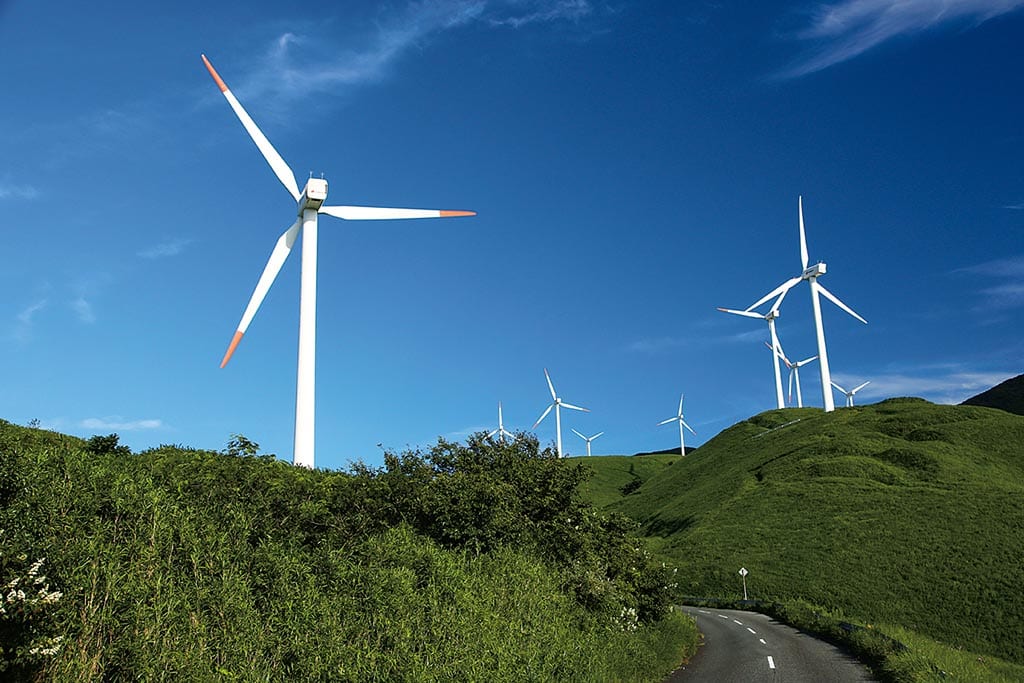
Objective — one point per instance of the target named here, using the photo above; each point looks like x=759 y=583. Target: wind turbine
x=588 y=439
x=682 y=423
x=557 y=404
x=811 y=274
x=794 y=372
x=851 y=392
x=501 y=431
x=770 y=316
x=310 y=204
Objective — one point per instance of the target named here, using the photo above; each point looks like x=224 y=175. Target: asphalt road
x=741 y=647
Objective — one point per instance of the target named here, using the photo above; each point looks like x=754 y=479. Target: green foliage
x=902 y=512
x=104 y=445
x=468 y=562
x=614 y=476
x=241 y=446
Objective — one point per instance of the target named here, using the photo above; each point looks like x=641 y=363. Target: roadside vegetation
x=901 y=513
x=476 y=561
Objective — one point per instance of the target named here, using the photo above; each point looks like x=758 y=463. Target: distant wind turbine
x=770 y=317
x=501 y=431
x=588 y=439
x=682 y=423
x=557 y=404
x=811 y=274
x=310 y=204
x=794 y=372
x=851 y=392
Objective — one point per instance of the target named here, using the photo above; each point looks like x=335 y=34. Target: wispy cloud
x=117 y=423
x=1009 y=292
x=10 y=190
x=24 y=320
x=83 y=309
x=299 y=65
x=1014 y=207
x=846 y=29
x=953 y=386
x=165 y=249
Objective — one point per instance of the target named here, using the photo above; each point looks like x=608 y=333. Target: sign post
x=743 y=573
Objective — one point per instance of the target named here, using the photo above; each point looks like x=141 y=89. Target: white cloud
x=1009 y=292
x=657 y=344
x=286 y=75
x=117 y=423
x=24 y=320
x=953 y=387
x=165 y=249
x=12 y=191
x=849 y=28
x=83 y=309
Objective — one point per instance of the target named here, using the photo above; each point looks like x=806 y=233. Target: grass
x=613 y=472
x=902 y=512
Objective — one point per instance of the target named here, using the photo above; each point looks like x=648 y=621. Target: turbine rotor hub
x=313 y=195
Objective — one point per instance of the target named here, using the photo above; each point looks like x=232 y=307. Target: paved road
x=741 y=647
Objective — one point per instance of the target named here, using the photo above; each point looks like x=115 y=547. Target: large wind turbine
x=501 y=432
x=794 y=372
x=770 y=316
x=811 y=274
x=682 y=423
x=557 y=404
x=310 y=204
x=851 y=392
x=588 y=439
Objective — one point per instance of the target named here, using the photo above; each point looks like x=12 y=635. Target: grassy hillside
x=902 y=512
x=1008 y=396
x=469 y=562
x=612 y=474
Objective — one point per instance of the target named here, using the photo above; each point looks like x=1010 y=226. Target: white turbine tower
x=310 y=204
x=682 y=423
x=588 y=439
x=501 y=431
x=851 y=392
x=811 y=274
x=770 y=317
x=557 y=404
x=794 y=372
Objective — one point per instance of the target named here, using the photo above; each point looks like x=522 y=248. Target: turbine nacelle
x=817 y=270
x=313 y=195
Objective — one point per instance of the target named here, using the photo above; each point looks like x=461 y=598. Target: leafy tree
x=103 y=445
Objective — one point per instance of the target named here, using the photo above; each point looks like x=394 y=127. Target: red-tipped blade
x=231 y=347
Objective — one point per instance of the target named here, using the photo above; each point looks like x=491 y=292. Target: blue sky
x=633 y=166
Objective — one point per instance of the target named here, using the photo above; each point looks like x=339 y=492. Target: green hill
x=615 y=475
x=467 y=562
x=901 y=512
x=1008 y=396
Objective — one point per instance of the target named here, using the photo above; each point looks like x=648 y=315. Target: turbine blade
x=596 y=435
x=550 y=385
x=803 y=237
x=834 y=299
x=854 y=391
x=579 y=435
x=377 y=213
x=270 y=271
x=749 y=314
x=680 y=406
x=784 y=287
x=277 y=164
x=838 y=387
x=671 y=419
x=543 y=415
x=688 y=427
x=490 y=434
x=778 y=302
x=790 y=397
x=572 y=407
x=806 y=361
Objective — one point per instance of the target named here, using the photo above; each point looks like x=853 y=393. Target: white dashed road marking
x=738 y=622
x=752 y=630
x=723 y=616
x=762 y=641
x=771 y=662
x=703 y=611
